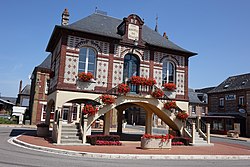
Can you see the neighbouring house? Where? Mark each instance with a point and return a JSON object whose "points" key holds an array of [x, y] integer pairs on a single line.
{"points": [[6, 106], [39, 91], [119, 58], [23, 99], [229, 105]]}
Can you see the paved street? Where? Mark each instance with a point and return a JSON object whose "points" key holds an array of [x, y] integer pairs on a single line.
{"points": [[16, 156]]}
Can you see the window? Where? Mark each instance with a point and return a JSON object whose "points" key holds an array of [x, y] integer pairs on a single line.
{"points": [[193, 109], [46, 89], [241, 100], [168, 71], [87, 60], [221, 102]]}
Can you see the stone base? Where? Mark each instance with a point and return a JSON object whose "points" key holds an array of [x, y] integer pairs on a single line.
{"points": [[155, 143]]}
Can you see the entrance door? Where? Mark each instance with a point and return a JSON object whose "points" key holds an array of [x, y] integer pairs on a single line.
{"points": [[65, 114], [131, 68]]}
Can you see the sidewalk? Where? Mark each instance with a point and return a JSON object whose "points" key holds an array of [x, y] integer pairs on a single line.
{"points": [[132, 150]]}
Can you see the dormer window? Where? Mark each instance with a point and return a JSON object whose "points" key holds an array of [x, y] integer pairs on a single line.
{"points": [[226, 86]]}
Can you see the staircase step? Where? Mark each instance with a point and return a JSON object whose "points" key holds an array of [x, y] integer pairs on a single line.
{"points": [[70, 141]]}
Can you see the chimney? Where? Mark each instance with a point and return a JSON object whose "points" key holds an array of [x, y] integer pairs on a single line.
{"points": [[20, 86], [165, 35], [65, 17]]}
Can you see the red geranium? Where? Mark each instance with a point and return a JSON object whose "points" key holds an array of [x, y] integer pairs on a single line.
{"points": [[169, 86], [83, 76], [89, 109], [123, 88], [162, 137], [150, 82], [170, 105], [107, 99], [158, 93], [182, 115], [136, 80]]}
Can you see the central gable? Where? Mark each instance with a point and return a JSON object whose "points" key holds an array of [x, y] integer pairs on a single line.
{"points": [[131, 30]]}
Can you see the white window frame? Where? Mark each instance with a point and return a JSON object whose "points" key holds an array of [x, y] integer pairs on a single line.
{"points": [[87, 60], [168, 62], [221, 102], [241, 100]]}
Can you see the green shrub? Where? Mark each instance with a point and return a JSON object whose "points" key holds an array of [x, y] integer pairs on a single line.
{"points": [[6, 121]]}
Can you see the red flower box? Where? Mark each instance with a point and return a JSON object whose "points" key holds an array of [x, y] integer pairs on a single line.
{"points": [[123, 88], [89, 109], [107, 99], [169, 86], [182, 116], [85, 76], [158, 93], [163, 137], [170, 105]]}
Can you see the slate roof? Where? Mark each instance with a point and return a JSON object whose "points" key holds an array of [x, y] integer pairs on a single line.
{"points": [[46, 63], [9, 100], [26, 90], [233, 83], [193, 96], [107, 26]]}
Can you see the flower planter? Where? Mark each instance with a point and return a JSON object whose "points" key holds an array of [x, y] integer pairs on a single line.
{"points": [[170, 94], [87, 85], [42, 131], [155, 143]]}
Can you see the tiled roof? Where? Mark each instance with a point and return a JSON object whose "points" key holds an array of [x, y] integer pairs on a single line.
{"points": [[233, 83], [107, 26]]}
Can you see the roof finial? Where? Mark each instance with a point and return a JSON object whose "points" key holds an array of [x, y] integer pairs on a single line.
{"points": [[165, 35], [156, 26], [96, 9], [65, 17]]}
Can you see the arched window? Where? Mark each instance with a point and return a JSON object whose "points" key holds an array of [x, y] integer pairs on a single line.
{"points": [[168, 72], [131, 66], [87, 60]]}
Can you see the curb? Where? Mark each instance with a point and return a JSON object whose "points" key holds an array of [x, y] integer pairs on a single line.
{"points": [[245, 140], [19, 143]]}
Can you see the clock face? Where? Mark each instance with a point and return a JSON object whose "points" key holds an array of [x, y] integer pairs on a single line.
{"points": [[133, 32]]}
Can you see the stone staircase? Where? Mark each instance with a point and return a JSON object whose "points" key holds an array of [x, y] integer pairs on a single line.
{"points": [[199, 141], [71, 134]]}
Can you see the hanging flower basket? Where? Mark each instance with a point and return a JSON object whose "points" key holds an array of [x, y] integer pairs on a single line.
{"points": [[89, 109], [123, 88], [158, 93], [170, 105], [107, 99], [156, 141]]}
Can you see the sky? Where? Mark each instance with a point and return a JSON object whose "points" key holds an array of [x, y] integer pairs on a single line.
{"points": [[218, 30]]}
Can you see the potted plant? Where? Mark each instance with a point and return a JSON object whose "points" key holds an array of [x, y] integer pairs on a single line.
{"points": [[182, 115], [170, 105], [156, 141], [107, 99], [158, 93], [42, 130], [85, 77], [123, 88], [150, 82], [89, 109], [85, 81], [169, 90]]}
